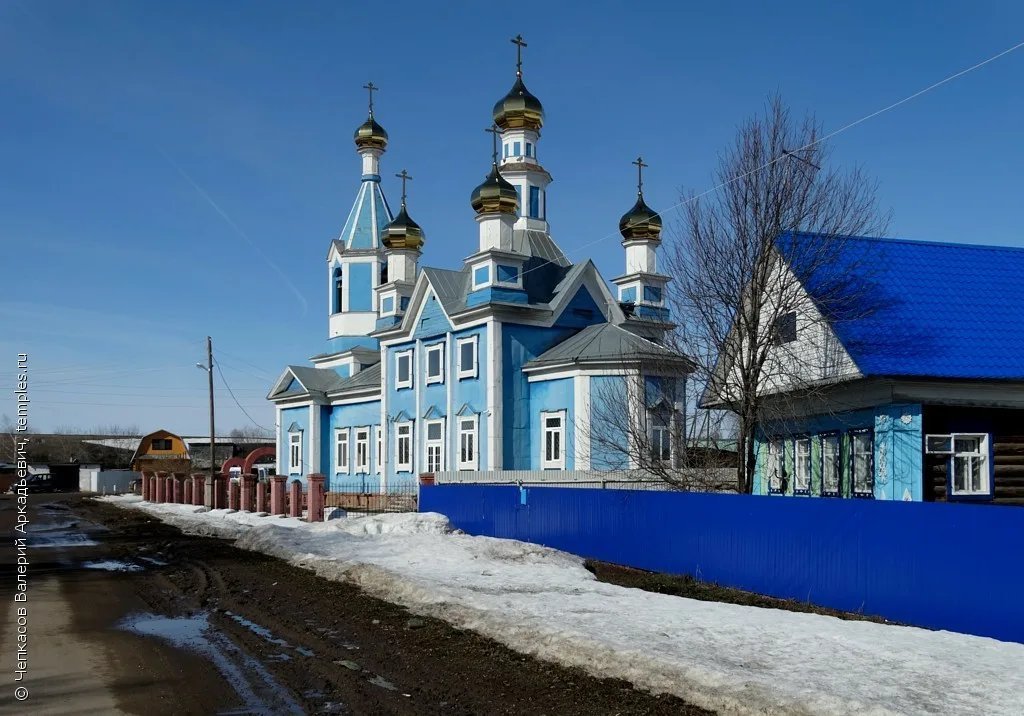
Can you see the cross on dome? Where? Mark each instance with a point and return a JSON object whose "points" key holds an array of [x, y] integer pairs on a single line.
{"points": [[640, 174], [371, 88], [404, 176], [520, 44]]}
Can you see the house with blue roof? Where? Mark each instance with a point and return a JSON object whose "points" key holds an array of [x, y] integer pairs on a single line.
{"points": [[922, 395], [486, 366]]}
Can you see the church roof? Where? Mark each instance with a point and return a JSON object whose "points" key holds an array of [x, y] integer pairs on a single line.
{"points": [[366, 378], [603, 343], [369, 215]]}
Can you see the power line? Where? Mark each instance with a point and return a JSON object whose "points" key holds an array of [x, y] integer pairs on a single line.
{"points": [[232, 394]]}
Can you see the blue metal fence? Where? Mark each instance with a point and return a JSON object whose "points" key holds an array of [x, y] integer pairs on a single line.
{"points": [[945, 566]]}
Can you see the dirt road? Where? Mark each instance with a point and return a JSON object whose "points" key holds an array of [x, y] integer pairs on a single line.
{"points": [[191, 625]]}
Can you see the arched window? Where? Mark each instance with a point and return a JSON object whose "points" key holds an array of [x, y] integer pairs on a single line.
{"points": [[337, 290]]}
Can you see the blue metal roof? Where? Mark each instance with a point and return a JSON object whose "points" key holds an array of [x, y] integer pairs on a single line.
{"points": [[369, 215], [923, 308]]}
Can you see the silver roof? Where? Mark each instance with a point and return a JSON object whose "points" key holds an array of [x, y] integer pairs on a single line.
{"points": [[603, 343]]}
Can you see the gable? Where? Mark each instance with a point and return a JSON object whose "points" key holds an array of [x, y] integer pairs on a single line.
{"points": [[581, 311], [431, 320]]}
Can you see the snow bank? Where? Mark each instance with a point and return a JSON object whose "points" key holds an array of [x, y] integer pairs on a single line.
{"points": [[725, 657]]}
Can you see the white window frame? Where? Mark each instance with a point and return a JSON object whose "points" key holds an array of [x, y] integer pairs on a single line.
{"points": [[399, 355], [472, 433], [775, 466], [378, 439], [855, 490], [981, 456], [434, 348], [834, 461], [342, 457], [472, 371], [432, 444], [553, 463], [399, 439], [802, 465], [294, 451], [362, 462], [661, 437]]}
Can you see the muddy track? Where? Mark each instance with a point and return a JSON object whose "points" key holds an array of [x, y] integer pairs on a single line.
{"points": [[335, 649]]}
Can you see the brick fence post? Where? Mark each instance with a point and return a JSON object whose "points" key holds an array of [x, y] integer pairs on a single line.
{"points": [[295, 499], [169, 488], [277, 494], [233, 494], [145, 485], [248, 482], [177, 488], [261, 496], [315, 511], [186, 492], [220, 491], [161, 486], [198, 488]]}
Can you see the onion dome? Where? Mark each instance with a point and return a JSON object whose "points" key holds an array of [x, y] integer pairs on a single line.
{"points": [[371, 134], [495, 195], [519, 109], [640, 223], [402, 233]]}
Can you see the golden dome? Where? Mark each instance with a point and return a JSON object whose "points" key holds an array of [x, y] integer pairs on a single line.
{"points": [[640, 222], [495, 195], [519, 109], [402, 233], [371, 134]]}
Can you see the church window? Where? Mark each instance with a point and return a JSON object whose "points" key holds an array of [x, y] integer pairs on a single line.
{"points": [[467, 443], [387, 305], [378, 438], [435, 363], [341, 450], [506, 150], [628, 295], [434, 446], [516, 149], [467, 357], [508, 274], [481, 275], [362, 450], [338, 290], [652, 294], [534, 202], [661, 444], [403, 447], [552, 456], [529, 149], [403, 369], [519, 200], [294, 452]]}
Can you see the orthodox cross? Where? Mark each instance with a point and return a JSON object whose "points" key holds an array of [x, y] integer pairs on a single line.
{"points": [[640, 174], [520, 44], [494, 142], [404, 176], [371, 88]]}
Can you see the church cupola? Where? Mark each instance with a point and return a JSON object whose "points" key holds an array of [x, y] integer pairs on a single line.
{"points": [[403, 241], [641, 287], [519, 115], [371, 139], [496, 203]]}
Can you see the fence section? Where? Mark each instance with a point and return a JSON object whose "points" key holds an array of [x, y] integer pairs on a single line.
{"points": [[944, 566], [719, 478]]}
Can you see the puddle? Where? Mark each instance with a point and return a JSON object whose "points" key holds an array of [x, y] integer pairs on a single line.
{"points": [[155, 561], [268, 635], [383, 683], [279, 657], [113, 565], [304, 651], [43, 540], [260, 693]]}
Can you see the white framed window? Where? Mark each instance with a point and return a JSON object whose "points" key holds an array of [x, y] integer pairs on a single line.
{"points": [[403, 369], [862, 460], [433, 445], [831, 470], [362, 450], [435, 363], [661, 443], [468, 457], [294, 452], [341, 450], [378, 439], [775, 468], [552, 446], [467, 353], [403, 447], [802, 466], [968, 466]]}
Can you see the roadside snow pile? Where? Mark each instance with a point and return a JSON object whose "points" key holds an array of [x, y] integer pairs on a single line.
{"points": [[725, 657]]}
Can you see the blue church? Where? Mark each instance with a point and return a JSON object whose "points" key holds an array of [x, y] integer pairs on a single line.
{"points": [[487, 366]]}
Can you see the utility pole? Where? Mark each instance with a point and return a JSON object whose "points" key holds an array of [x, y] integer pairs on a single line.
{"points": [[208, 491]]}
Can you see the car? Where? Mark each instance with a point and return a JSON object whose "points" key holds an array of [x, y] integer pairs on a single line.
{"points": [[39, 483]]}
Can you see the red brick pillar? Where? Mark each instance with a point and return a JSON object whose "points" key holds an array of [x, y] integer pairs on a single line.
{"points": [[161, 486], [277, 494], [248, 482], [295, 499], [186, 494], [261, 496], [169, 488], [315, 511], [145, 486], [220, 491], [198, 488], [177, 488], [233, 494]]}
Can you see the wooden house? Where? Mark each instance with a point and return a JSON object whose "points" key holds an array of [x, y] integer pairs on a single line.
{"points": [[163, 451]]}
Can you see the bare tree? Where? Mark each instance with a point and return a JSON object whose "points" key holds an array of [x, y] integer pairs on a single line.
{"points": [[251, 431], [743, 255], [11, 436]]}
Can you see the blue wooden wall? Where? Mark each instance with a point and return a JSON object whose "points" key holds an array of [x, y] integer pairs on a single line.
{"points": [[944, 566]]}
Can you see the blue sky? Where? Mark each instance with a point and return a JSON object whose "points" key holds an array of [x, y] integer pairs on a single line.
{"points": [[173, 170]]}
